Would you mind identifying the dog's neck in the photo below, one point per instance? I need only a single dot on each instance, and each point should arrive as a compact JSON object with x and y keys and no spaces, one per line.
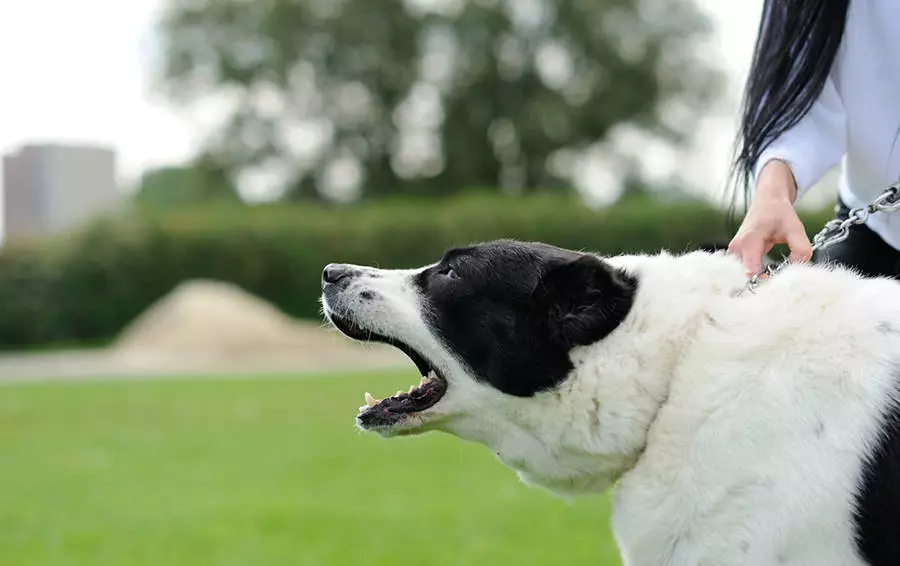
{"x":582,"y":437}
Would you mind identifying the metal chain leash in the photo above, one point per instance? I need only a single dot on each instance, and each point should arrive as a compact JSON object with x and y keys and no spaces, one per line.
{"x":837,"y":230}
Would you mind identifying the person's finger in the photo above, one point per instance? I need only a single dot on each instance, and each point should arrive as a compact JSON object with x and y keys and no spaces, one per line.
{"x":801,"y":249}
{"x":734,"y":246}
{"x":751,"y":250}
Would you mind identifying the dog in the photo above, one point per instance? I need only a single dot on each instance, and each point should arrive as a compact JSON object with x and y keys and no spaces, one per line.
{"x":751,"y":428}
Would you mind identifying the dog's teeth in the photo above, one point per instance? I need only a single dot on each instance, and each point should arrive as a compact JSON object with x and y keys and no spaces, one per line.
{"x":423,"y":381}
{"x":411,"y":389}
{"x":398,"y":393}
{"x":371,"y":401}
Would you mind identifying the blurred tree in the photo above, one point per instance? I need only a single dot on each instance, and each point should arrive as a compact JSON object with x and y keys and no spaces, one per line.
{"x":331,"y":97}
{"x":174,"y":186}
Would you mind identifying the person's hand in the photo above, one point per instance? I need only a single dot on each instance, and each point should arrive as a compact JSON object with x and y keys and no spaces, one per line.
{"x":771,"y":220}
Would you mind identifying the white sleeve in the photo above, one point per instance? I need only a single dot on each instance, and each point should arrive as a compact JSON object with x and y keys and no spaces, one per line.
{"x":813,"y":145}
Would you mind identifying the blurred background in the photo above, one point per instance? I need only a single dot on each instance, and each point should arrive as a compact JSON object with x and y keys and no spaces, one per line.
{"x":175,"y":175}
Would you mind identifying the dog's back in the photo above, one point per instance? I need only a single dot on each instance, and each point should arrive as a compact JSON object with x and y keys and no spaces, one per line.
{"x":780,"y":439}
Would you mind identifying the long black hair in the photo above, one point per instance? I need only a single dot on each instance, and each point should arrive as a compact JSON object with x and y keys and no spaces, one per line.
{"x":795,"y":48}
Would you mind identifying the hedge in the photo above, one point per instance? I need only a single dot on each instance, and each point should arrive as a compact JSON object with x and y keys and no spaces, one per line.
{"x":87,"y":286}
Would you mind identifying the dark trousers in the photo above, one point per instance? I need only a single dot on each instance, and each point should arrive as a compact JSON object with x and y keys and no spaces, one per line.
{"x":863,"y":250}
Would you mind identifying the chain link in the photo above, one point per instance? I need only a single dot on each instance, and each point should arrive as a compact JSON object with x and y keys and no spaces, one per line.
{"x":837,"y":230}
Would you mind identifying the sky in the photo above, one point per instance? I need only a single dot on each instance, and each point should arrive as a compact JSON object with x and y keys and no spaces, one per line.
{"x":80,"y":71}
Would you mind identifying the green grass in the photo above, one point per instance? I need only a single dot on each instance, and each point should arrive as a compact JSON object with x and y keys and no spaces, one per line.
{"x":262,"y":472}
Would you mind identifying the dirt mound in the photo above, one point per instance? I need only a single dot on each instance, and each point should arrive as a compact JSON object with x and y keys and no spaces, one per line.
{"x":217,"y":316}
{"x":216,"y":326}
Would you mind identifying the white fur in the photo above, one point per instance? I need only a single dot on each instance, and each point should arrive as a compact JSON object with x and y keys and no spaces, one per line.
{"x":733,"y":427}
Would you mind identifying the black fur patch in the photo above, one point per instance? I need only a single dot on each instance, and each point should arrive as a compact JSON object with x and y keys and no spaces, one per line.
{"x":513,"y":311}
{"x":878,"y":501}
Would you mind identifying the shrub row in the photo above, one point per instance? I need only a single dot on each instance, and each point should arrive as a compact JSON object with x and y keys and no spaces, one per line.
{"x":89,"y":285}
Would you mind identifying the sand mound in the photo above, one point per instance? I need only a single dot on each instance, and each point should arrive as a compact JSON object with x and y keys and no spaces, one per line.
{"x":213,"y":317}
{"x":217,"y":327}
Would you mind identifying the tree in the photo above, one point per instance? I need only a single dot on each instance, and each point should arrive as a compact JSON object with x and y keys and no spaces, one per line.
{"x":330,"y":97}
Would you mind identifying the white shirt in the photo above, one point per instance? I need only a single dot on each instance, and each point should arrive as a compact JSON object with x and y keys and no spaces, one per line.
{"x":856,"y":118}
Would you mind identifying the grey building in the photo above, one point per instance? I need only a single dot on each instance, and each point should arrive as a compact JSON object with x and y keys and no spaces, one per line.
{"x":52,"y":188}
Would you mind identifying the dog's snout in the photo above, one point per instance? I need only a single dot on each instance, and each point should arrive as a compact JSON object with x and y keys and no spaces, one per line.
{"x":335,"y":272}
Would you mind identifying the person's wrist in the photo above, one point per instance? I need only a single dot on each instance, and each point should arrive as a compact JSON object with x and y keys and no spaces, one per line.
{"x":776,"y":182}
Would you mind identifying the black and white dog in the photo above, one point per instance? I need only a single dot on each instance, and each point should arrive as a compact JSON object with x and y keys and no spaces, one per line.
{"x":756,"y":428}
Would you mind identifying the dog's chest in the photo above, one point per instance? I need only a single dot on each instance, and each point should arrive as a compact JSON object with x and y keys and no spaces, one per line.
{"x":736,"y":525}
{"x":662,"y":523}
{"x":725,"y":486}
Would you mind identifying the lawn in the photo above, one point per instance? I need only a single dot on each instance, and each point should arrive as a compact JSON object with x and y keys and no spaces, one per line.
{"x":262,"y":472}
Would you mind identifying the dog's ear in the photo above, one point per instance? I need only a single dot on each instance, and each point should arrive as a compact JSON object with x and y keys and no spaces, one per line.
{"x":584,"y":299}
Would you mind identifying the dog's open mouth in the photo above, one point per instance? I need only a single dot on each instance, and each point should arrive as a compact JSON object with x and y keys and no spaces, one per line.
{"x":392,"y":410}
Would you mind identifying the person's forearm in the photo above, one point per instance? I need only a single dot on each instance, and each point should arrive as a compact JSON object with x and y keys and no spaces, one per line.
{"x":810,"y":148}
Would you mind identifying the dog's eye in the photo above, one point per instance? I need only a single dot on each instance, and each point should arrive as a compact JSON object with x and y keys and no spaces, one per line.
{"x":448,"y":271}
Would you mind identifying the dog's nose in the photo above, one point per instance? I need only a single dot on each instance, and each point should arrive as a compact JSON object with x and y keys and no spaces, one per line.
{"x":334,"y":272}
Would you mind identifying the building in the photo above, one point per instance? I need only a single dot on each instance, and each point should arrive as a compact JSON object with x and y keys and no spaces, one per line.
{"x":52,"y":188}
